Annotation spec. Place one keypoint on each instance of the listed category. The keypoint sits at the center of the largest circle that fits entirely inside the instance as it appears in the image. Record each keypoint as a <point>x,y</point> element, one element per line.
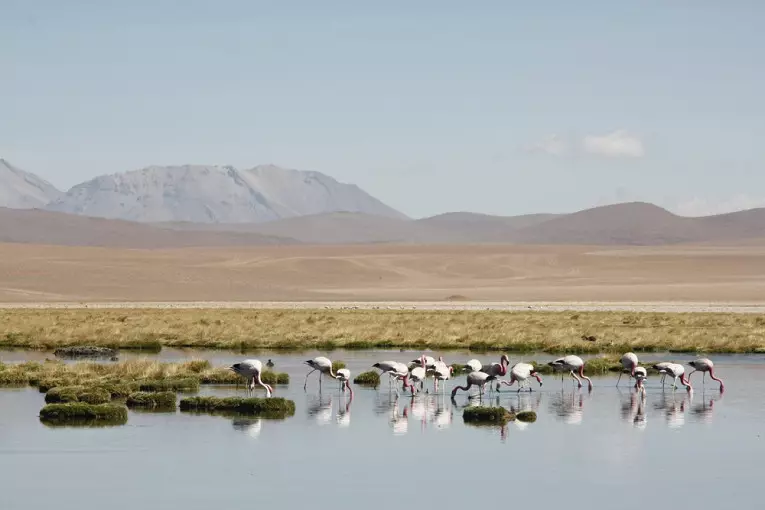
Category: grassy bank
<point>89,381</point>
<point>580,332</point>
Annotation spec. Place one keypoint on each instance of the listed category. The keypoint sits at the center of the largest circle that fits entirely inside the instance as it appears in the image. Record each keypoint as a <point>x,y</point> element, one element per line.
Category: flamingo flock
<point>412,376</point>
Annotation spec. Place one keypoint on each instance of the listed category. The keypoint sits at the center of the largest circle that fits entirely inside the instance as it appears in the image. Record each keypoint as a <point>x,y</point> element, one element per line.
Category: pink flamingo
<point>705,365</point>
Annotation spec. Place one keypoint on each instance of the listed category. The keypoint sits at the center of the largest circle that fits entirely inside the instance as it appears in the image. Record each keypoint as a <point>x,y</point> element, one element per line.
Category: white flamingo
<point>441,372</point>
<point>344,376</point>
<point>251,369</point>
<point>429,361</point>
<point>705,365</point>
<point>629,362</point>
<point>475,379</point>
<point>473,366</point>
<point>676,370</point>
<point>394,369</point>
<point>662,369</point>
<point>323,365</point>
<point>418,374</point>
<point>571,363</point>
<point>520,373</point>
<point>640,375</point>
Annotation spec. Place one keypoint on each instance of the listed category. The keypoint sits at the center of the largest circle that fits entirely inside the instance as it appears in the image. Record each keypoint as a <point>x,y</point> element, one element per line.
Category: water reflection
<point>568,406</point>
<point>250,426</point>
<point>704,410</point>
<point>673,404</point>
<point>632,405</point>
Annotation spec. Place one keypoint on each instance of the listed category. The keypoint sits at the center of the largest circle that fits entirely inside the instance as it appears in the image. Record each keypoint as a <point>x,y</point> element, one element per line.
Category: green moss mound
<point>265,407</point>
<point>79,413</point>
<point>85,351</point>
<point>67,394</point>
<point>271,377</point>
<point>370,378</point>
<point>526,416</point>
<point>480,414</point>
<point>164,400</point>
<point>458,369</point>
<point>337,365</point>
<point>183,385</point>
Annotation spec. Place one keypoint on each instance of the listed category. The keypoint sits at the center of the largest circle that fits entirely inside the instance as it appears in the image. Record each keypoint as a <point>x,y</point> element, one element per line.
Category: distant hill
<point>212,194</point>
<point>23,190</point>
<point>44,227</point>
<point>620,224</point>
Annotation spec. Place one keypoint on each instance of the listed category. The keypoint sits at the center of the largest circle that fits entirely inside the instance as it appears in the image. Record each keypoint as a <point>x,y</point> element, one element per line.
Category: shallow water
<point>604,449</point>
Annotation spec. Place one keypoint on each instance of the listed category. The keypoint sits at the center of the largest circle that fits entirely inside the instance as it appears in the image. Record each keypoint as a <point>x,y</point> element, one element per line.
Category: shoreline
<point>510,306</point>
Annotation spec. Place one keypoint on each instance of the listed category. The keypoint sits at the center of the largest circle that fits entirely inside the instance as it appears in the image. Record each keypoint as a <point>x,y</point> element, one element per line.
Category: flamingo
<point>521,373</point>
<point>497,369</point>
<point>344,376</point>
<point>323,365</point>
<point>441,372</point>
<point>473,366</point>
<point>629,361</point>
<point>475,379</point>
<point>394,369</point>
<point>418,374</point>
<point>429,361</point>
<point>676,370</point>
<point>705,365</point>
<point>251,369</point>
<point>571,363</point>
<point>640,375</point>
<point>662,369</point>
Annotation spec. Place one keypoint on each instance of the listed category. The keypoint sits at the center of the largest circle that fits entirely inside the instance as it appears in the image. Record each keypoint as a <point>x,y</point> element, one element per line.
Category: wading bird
<point>418,374</point>
<point>705,365</point>
<point>640,375</point>
<point>394,369</point>
<point>251,369</point>
<point>520,373</point>
<point>662,369</point>
<point>676,370</point>
<point>429,361</point>
<point>475,379</point>
<point>344,376</point>
<point>323,365</point>
<point>571,364</point>
<point>473,366</point>
<point>497,369</point>
<point>629,362</point>
<point>441,372</point>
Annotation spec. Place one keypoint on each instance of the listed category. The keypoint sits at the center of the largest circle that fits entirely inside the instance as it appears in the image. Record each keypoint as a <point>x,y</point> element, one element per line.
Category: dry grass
<point>614,332</point>
<point>122,379</point>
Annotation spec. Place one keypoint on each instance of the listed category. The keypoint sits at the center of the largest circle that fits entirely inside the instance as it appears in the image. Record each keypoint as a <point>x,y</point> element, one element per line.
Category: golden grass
<point>121,379</point>
<point>614,332</point>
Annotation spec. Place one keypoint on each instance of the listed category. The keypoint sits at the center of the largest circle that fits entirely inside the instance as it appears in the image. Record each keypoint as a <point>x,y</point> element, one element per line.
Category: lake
<point>604,449</point>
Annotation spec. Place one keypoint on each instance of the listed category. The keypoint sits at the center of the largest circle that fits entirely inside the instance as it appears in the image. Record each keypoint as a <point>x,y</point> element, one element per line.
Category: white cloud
<point>553,145</point>
<point>616,144</point>
<point>698,206</point>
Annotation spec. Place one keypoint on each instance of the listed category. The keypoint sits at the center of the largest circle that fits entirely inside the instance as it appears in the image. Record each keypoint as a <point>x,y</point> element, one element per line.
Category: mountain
<point>23,190</point>
<point>213,194</point>
<point>53,228</point>
<point>619,224</point>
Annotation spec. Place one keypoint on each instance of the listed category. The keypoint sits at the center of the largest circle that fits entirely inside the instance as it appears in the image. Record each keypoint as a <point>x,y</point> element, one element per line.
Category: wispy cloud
<point>616,144</point>
<point>698,206</point>
<point>553,145</point>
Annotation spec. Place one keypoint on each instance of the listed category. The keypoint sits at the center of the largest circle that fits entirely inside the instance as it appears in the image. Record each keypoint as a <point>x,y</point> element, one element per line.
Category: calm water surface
<point>604,449</point>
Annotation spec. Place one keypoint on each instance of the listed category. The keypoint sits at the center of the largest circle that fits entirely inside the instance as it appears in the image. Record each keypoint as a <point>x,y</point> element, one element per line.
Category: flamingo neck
<point>581,374</point>
<point>463,388</point>
<point>714,378</point>
<point>537,377</point>
<point>348,386</point>
<point>685,382</point>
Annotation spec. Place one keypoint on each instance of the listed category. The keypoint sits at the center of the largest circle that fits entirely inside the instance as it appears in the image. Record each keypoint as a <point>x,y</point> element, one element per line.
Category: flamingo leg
<point>619,379</point>
<point>305,384</point>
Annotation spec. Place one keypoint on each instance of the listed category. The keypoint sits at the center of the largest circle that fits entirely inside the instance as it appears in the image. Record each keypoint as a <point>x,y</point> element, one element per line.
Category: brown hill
<point>35,226</point>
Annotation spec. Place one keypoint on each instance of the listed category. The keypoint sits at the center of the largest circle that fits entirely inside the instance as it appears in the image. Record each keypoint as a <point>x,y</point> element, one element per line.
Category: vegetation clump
<point>370,378</point>
<point>264,407</point>
<point>271,377</point>
<point>88,395</point>
<point>86,351</point>
<point>187,384</point>
<point>337,365</point>
<point>13,377</point>
<point>483,414</point>
<point>164,400</point>
<point>526,416</point>
<point>79,413</point>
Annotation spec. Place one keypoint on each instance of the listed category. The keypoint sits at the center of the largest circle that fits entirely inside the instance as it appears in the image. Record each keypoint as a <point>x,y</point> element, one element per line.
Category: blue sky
<point>496,106</point>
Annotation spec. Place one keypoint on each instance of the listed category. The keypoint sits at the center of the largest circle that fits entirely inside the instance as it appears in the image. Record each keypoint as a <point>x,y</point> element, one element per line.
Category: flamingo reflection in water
<point>568,406</point>
<point>633,407</point>
<point>674,405</point>
<point>250,426</point>
<point>704,410</point>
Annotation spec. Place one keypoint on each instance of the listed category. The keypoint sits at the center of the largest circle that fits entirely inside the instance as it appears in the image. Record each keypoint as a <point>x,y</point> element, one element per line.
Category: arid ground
<point>454,274</point>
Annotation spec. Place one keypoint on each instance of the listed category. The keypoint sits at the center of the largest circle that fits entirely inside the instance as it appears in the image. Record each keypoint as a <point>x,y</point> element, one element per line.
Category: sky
<point>499,107</point>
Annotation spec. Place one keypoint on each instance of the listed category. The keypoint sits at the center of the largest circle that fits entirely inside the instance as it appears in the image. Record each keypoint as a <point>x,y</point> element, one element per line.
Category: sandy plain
<point>669,278</point>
